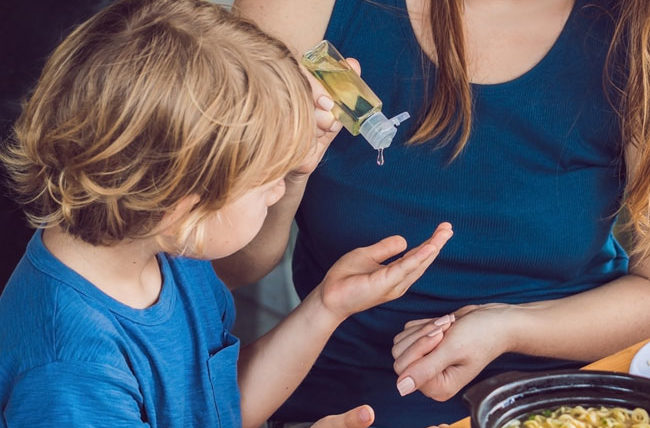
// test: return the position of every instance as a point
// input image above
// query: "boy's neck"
(127, 271)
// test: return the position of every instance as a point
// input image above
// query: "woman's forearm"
(586, 326)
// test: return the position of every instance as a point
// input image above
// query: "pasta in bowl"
(581, 417)
(560, 399)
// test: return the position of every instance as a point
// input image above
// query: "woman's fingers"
(415, 325)
(427, 370)
(354, 64)
(325, 120)
(440, 374)
(421, 346)
(403, 342)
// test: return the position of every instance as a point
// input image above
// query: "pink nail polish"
(406, 386)
(442, 320)
(325, 103)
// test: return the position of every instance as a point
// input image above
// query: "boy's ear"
(182, 208)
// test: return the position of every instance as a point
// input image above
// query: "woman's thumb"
(354, 64)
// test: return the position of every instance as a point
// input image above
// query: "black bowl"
(502, 398)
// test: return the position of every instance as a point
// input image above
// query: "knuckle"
(424, 342)
(394, 294)
(398, 338)
(438, 394)
(446, 395)
(430, 325)
(393, 352)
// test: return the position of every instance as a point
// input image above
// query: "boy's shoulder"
(44, 320)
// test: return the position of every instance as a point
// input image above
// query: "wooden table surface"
(618, 362)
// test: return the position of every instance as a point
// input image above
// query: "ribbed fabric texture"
(71, 356)
(531, 198)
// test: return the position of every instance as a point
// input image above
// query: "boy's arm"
(271, 368)
(67, 394)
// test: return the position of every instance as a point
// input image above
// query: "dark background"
(29, 31)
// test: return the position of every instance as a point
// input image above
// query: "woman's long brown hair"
(448, 116)
(628, 73)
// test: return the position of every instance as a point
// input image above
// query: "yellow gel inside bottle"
(355, 105)
(353, 100)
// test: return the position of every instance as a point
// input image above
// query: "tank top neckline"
(532, 73)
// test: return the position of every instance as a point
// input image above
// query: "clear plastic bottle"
(355, 105)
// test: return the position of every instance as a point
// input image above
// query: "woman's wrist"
(522, 324)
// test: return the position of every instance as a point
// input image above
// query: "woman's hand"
(439, 367)
(327, 127)
(418, 338)
(359, 280)
(359, 417)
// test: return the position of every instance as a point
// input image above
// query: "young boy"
(156, 139)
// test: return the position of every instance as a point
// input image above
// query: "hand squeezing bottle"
(355, 105)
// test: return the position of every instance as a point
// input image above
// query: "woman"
(518, 144)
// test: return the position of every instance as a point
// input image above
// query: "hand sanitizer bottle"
(355, 105)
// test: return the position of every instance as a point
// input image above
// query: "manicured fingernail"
(452, 317)
(325, 103)
(336, 126)
(435, 332)
(405, 386)
(442, 320)
(364, 415)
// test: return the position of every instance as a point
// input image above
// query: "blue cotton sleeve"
(74, 394)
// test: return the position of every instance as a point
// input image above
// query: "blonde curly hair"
(150, 101)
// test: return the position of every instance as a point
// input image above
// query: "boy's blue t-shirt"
(72, 356)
